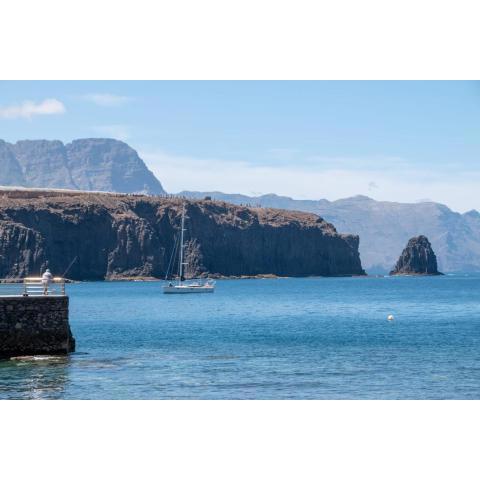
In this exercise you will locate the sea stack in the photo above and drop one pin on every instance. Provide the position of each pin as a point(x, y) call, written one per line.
point(418, 258)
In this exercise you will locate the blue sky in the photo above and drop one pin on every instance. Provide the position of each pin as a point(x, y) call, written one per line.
point(401, 141)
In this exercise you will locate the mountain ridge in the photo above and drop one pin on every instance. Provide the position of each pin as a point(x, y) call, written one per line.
point(101, 164)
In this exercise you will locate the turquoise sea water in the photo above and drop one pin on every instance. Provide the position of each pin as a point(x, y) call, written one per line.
point(311, 338)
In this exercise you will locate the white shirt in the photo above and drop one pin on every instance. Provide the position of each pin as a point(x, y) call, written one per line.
point(47, 277)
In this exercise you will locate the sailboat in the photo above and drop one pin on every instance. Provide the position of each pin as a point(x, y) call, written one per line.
point(182, 286)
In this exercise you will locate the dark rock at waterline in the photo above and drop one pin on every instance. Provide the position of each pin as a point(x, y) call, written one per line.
point(418, 258)
point(115, 236)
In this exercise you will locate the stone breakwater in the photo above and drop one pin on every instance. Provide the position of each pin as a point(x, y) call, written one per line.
point(34, 326)
point(114, 236)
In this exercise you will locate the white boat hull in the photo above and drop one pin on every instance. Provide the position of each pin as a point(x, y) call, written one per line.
point(188, 289)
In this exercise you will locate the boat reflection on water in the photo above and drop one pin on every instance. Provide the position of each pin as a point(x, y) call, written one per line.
point(34, 378)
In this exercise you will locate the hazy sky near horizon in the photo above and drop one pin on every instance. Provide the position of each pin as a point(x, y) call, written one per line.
point(398, 141)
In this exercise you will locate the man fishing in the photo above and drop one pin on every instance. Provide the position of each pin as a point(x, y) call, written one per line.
point(47, 279)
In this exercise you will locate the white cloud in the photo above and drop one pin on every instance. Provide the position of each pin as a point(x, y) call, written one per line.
point(119, 132)
point(106, 99)
point(397, 183)
point(29, 109)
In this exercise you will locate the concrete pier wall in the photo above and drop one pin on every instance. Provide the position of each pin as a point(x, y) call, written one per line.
point(35, 326)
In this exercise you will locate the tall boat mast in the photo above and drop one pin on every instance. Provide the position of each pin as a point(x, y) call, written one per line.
point(189, 286)
point(180, 267)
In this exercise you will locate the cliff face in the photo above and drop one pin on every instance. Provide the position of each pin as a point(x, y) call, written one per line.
point(126, 235)
point(99, 164)
point(418, 258)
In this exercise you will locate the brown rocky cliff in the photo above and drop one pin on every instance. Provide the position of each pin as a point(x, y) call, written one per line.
point(131, 235)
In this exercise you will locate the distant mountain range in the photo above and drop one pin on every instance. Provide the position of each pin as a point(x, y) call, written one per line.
point(87, 164)
point(385, 227)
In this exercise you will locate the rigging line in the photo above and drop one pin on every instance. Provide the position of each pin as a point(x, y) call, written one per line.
point(172, 256)
point(167, 271)
point(177, 243)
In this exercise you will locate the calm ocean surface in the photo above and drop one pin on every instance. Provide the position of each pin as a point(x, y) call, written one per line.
point(312, 338)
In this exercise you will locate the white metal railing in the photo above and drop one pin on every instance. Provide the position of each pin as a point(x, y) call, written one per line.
point(32, 287)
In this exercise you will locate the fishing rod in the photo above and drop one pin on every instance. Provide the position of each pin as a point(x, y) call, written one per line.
point(70, 266)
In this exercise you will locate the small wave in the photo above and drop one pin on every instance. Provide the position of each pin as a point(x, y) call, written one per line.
point(39, 358)
point(221, 357)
